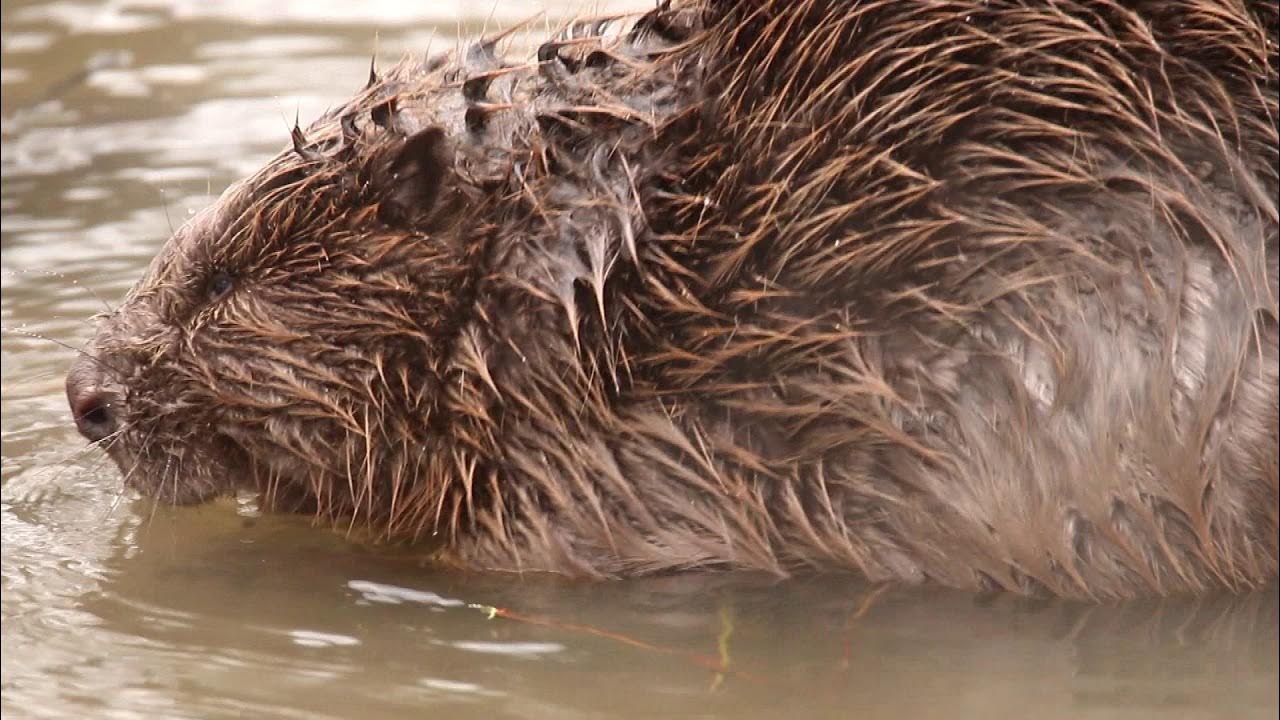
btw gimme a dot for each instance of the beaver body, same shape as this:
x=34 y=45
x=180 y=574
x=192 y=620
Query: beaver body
x=982 y=293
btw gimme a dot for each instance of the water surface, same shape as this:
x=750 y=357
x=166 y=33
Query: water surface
x=121 y=119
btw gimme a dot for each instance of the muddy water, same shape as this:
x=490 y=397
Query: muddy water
x=119 y=120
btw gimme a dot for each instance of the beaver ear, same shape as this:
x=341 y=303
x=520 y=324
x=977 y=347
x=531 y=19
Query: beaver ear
x=413 y=179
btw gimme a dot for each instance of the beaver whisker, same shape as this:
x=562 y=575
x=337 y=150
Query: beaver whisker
x=117 y=498
x=167 y=477
x=106 y=442
x=73 y=461
x=77 y=455
x=75 y=282
x=23 y=332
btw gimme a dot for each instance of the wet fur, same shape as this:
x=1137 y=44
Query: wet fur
x=981 y=293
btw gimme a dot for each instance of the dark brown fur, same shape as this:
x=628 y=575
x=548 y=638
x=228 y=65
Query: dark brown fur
x=983 y=293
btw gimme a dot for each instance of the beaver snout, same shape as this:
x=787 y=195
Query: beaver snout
x=95 y=407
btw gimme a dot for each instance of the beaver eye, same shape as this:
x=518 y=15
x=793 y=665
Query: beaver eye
x=220 y=283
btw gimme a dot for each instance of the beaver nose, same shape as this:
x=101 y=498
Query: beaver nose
x=94 y=408
x=95 y=418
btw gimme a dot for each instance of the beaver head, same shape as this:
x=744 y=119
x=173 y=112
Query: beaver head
x=292 y=330
x=297 y=336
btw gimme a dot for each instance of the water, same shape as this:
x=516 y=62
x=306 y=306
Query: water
x=119 y=120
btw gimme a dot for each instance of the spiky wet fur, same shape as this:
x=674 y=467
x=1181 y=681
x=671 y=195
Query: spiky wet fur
x=983 y=293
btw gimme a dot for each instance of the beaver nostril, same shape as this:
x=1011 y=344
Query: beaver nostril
x=97 y=414
x=94 y=416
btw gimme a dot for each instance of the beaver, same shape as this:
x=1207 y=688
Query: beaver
x=979 y=293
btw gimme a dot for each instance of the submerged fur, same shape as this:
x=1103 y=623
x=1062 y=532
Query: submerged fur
x=982 y=293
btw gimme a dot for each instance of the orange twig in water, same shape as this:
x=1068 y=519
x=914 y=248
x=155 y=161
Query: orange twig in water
x=866 y=604
x=701 y=659
x=847 y=654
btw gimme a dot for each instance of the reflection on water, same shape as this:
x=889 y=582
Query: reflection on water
x=121 y=119
x=208 y=611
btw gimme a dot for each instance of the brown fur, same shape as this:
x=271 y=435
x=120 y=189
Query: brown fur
x=983 y=293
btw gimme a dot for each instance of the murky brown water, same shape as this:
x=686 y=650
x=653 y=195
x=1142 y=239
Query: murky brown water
x=113 y=608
